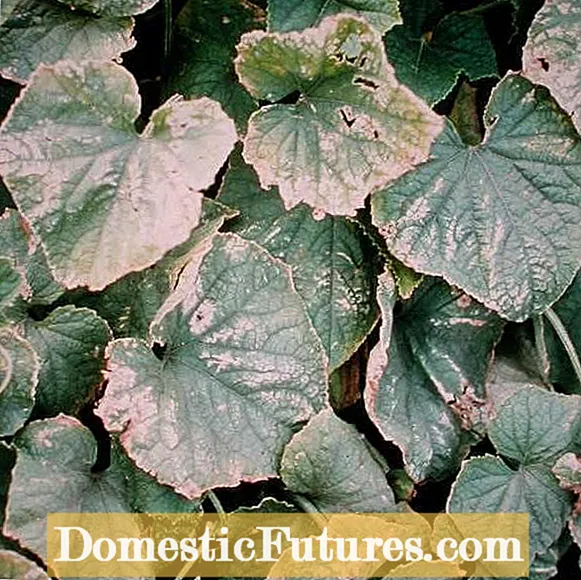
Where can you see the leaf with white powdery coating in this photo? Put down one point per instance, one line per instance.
(499, 220)
(71, 343)
(111, 7)
(19, 367)
(551, 54)
(330, 463)
(426, 376)
(13, 565)
(353, 126)
(523, 431)
(102, 199)
(203, 47)
(58, 454)
(334, 265)
(240, 366)
(43, 32)
(286, 15)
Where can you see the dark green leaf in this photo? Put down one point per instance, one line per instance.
(29, 258)
(204, 46)
(285, 15)
(42, 31)
(431, 65)
(70, 343)
(524, 431)
(332, 260)
(499, 220)
(426, 376)
(331, 464)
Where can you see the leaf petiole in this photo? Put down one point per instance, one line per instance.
(563, 335)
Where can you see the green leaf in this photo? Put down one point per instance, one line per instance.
(204, 45)
(426, 376)
(330, 463)
(44, 32)
(19, 367)
(551, 54)
(96, 192)
(431, 65)
(11, 283)
(71, 343)
(111, 7)
(240, 366)
(130, 304)
(58, 455)
(13, 565)
(524, 432)
(353, 126)
(568, 309)
(487, 484)
(517, 433)
(286, 15)
(499, 220)
(420, 16)
(29, 258)
(332, 260)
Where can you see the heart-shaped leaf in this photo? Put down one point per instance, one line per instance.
(499, 220)
(239, 367)
(524, 433)
(352, 128)
(95, 191)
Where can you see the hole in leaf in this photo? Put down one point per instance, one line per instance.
(159, 350)
(349, 122)
(544, 64)
(365, 82)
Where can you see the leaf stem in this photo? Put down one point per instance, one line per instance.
(563, 335)
(541, 346)
(215, 502)
(483, 7)
(167, 40)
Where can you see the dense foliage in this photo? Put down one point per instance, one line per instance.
(297, 254)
